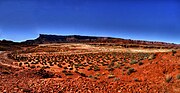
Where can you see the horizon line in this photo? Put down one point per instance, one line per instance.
(19, 41)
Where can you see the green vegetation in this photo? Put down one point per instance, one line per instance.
(82, 74)
(117, 65)
(20, 64)
(130, 70)
(68, 73)
(152, 56)
(116, 79)
(136, 79)
(173, 52)
(126, 67)
(133, 62)
(90, 76)
(178, 76)
(90, 68)
(110, 69)
(92, 62)
(32, 66)
(140, 63)
(45, 74)
(96, 68)
(111, 76)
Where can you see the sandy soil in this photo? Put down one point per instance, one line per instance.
(94, 70)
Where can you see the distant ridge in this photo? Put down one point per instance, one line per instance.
(45, 39)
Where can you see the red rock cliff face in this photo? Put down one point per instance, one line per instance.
(43, 38)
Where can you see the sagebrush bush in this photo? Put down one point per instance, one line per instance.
(140, 63)
(130, 70)
(136, 79)
(111, 76)
(173, 52)
(96, 68)
(20, 64)
(45, 74)
(133, 62)
(178, 76)
(82, 74)
(152, 56)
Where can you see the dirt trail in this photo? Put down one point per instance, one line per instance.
(5, 61)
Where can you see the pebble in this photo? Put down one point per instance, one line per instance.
(4, 91)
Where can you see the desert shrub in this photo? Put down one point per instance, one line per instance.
(70, 68)
(59, 65)
(44, 63)
(26, 63)
(76, 71)
(6, 72)
(140, 63)
(90, 76)
(168, 78)
(59, 76)
(133, 62)
(122, 64)
(117, 66)
(110, 69)
(116, 79)
(68, 73)
(27, 90)
(173, 52)
(90, 62)
(33, 66)
(44, 67)
(93, 77)
(126, 67)
(178, 76)
(20, 64)
(111, 65)
(45, 74)
(111, 76)
(51, 64)
(82, 74)
(81, 67)
(104, 64)
(64, 71)
(78, 65)
(63, 63)
(130, 70)
(2, 48)
(96, 68)
(65, 68)
(90, 68)
(152, 56)
(98, 74)
(34, 63)
(136, 79)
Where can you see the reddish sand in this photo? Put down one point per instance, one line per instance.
(155, 75)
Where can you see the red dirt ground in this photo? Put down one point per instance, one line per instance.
(150, 77)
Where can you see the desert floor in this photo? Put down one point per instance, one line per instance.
(86, 68)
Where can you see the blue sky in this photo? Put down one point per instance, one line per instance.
(154, 20)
